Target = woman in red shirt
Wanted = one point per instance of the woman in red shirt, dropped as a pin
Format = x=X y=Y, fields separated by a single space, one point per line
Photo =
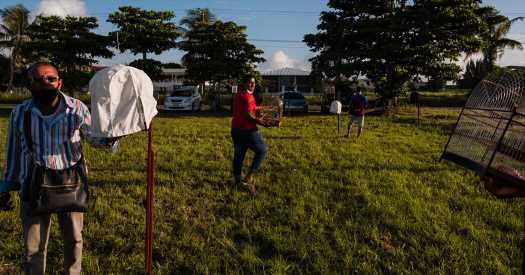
x=245 y=134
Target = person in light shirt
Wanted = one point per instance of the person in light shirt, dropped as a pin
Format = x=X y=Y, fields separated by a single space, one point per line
x=58 y=123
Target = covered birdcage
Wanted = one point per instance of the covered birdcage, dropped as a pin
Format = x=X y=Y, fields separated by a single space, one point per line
x=271 y=111
x=489 y=137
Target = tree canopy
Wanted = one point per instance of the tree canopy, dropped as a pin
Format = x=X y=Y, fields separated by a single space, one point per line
x=218 y=52
x=475 y=71
x=495 y=40
x=392 y=42
x=15 y=22
x=143 y=31
x=69 y=43
x=197 y=16
x=152 y=67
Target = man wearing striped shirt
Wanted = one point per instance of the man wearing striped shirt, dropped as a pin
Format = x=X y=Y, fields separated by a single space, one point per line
x=57 y=124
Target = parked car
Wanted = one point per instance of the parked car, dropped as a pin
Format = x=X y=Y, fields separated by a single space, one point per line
x=294 y=101
x=184 y=98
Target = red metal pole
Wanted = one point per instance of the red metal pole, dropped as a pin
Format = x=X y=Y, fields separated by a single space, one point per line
x=149 y=203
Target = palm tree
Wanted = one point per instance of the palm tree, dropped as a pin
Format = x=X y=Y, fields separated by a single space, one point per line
x=197 y=16
x=494 y=39
x=15 y=21
x=497 y=42
x=192 y=20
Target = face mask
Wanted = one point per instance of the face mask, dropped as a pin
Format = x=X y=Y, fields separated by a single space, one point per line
x=45 y=96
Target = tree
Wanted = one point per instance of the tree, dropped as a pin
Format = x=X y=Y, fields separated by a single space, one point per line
x=172 y=65
x=197 y=16
x=152 y=67
x=475 y=71
x=392 y=42
x=494 y=38
x=70 y=44
x=218 y=53
x=143 y=31
x=4 y=71
x=14 y=31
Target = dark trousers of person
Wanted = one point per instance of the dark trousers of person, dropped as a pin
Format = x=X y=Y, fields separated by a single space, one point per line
x=242 y=141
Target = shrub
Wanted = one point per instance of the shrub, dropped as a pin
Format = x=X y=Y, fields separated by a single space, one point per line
x=13 y=98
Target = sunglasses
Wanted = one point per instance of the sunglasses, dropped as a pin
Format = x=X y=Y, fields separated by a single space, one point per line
x=49 y=79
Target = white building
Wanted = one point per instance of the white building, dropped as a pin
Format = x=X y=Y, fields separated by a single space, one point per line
x=287 y=79
x=170 y=79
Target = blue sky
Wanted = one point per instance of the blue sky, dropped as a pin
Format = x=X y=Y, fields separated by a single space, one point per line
x=265 y=20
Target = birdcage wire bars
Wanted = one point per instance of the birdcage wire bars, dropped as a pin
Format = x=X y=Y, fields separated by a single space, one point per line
x=489 y=136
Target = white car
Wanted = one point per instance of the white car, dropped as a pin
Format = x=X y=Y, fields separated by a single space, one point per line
x=185 y=98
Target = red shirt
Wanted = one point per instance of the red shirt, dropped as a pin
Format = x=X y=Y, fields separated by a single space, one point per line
x=241 y=100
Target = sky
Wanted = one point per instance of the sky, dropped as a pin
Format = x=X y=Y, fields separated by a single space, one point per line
x=275 y=26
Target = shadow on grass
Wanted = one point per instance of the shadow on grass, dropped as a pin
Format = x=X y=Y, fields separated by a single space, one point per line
x=304 y=114
x=398 y=168
x=266 y=247
x=204 y=114
x=426 y=124
x=283 y=137
x=200 y=136
x=443 y=101
x=208 y=180
x=378 y=111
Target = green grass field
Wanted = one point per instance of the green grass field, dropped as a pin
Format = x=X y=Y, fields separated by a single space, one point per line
x=324 y=205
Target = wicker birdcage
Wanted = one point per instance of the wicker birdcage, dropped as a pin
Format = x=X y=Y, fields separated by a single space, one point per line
x=489 y=137
x=271 y=112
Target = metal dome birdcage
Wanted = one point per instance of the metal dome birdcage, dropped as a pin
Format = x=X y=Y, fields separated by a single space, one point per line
x=489 y=137
x=271 y=111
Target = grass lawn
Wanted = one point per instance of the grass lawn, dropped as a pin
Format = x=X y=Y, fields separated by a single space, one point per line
x=324 y=205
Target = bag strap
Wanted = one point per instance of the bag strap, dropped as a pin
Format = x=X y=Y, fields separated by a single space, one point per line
x=27 y=130
x=29 y=137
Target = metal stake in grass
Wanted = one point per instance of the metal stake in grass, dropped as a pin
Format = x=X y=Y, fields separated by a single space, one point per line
x=149 y=203
x=349 y=126
x=337 y=123
x=414 y=99
x=335 y=108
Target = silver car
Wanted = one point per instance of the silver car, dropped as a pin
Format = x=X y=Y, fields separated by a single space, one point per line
x=185 y=98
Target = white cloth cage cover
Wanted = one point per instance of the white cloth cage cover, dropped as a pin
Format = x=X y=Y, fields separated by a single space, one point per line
x=122 y=101
x=336 y=107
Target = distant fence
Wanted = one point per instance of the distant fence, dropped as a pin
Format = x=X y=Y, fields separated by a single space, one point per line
x=437 y=100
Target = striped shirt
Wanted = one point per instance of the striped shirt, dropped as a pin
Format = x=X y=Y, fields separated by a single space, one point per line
x=56 y=138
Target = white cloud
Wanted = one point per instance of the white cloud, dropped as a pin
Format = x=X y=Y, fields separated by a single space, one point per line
x=512 y=57
x=61 y=8
x=517 y=36
x=280 y=60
